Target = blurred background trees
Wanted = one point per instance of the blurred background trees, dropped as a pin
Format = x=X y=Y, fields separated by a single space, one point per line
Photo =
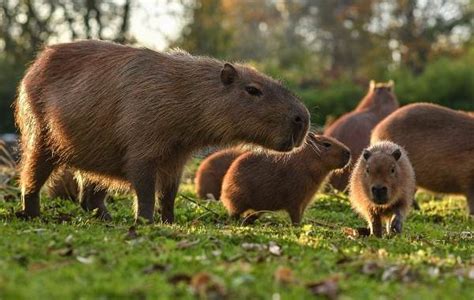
x=325 y=50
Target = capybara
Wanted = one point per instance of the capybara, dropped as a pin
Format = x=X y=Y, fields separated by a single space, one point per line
x=440 y=142
x=209 y=176
x=130 y=117
x=354 y=128
x=382 y=187
x=63 y=185
x=258 y=181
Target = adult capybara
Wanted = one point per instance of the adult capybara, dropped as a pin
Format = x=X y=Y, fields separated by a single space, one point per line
x=130 y=117
x=268 y=182
x=209 y=176
x=440 y=142
x=382 y=187
x=354 y=128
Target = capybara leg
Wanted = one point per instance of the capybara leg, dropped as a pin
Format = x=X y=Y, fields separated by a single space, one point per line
x=470 y=202
x=92 y=197
x=167 y=202
x=397 y=223
x=375 y=224
x=36 y=167
x=416 y=206
x=295 y=216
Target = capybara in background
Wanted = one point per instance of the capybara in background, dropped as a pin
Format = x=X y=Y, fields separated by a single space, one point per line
x=270 y=182
x=440 y=143
x=353 y=129
x=209 y=176
x=63 y=185
x=382 y=187
x=130 y=117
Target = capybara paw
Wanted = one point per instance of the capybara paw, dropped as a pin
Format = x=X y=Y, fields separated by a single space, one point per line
x=396 y=226
x=23 y=215
x=103 y=215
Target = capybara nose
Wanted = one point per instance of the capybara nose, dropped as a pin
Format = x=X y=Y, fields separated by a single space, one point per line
x=347 y=154
x=298 y=120
x=300 y=124
x=380 y=194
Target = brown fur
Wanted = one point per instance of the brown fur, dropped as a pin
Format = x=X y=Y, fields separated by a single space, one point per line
x=262 y=181
x=129 y=117
x=209 y=176
x=354 y=128
x=379 y=166
x=440 y=142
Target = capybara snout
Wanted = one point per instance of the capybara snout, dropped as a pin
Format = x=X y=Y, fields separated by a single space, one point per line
x=379 y=194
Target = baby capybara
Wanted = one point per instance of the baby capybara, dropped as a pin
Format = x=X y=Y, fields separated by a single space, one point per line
x=440 y=142
x=129 y=117
x=209 y=176
x=269 y=182
x=354 y=128
x=382 y=187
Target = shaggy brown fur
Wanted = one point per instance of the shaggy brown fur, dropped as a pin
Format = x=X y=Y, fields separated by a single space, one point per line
x=440 y=142
x=209 y=176
x=382 y=187
x=354 y=128
x=262 y=181
x=129 y=117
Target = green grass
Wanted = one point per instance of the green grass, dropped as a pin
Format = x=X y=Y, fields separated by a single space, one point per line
x=68 y=254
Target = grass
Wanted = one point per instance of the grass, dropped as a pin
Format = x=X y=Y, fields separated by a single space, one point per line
x=68 y=254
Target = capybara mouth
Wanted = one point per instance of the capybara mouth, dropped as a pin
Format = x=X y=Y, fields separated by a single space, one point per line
x=379 y=199
x=287 y=145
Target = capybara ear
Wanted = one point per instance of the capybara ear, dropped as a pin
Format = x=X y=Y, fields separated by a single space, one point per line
x=372 y=85
x=390 y=85
x=397 y=154
x=228 y=74
x=366 y=154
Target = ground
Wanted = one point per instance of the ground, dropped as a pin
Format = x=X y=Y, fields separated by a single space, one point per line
x=68 y=254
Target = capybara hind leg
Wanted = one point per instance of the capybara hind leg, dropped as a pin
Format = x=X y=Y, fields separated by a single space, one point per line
x=92 y=197
x=470 y=202
x=36 y=167
x=167 y=201
x=375 y=225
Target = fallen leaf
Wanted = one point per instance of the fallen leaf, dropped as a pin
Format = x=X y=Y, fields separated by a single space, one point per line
x=207 y=286
x=284 y=275
x=186 y=244
x=370 y=268
x=274 y=249
x=67 y=251
x=253 y=246
x=177 y=278
x=85 y=260
x=154 y=268
x=328 y=288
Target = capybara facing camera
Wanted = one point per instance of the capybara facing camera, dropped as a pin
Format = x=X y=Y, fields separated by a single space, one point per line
x=382 y=187
x=129 y=118
x=258 y=181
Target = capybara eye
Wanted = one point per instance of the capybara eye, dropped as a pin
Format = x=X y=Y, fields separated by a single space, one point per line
x=393 y=170
x=327 y=145
x=253 y=90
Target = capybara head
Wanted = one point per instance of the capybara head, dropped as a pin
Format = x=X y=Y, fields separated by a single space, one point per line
x=382 y=92
x=382 y=173
x=329 y=151
x=262 y=109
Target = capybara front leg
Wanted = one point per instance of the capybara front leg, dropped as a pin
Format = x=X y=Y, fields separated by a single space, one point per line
x=295 y=216
x=92 y=197
x=36 y=167
x=375 y=224
x=470 y=201
x=397 y=223
x=167 y=201
x=144 y=184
